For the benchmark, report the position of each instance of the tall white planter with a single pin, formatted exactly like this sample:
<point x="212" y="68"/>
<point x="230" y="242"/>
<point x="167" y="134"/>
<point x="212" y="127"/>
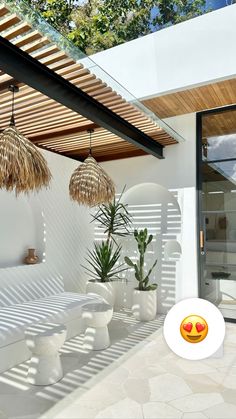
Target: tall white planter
<point x="144" y="306"/>
<point x="105" y="289"/>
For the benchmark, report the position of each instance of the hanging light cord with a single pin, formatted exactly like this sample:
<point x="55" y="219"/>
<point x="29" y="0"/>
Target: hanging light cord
<point x="13" y="89"/>
<point x="90" y="131"/>
<point x="90" y="143"/>
<point x="12" y="120"/>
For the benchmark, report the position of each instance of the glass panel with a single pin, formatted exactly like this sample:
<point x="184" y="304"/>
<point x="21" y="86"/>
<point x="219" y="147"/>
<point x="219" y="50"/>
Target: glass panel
<point x="218" y="261"/>
<point x="219" y="135"/>
<point x="218" y="185"/>
<point x="220" y="147"/>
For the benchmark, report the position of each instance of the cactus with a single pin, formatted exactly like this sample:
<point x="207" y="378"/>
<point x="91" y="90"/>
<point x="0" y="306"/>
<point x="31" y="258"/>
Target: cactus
<point x="143" y="240"/>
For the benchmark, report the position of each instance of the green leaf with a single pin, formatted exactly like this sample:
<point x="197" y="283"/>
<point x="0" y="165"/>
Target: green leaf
<point x="150" y="239"/>
<point x="151" y="287"/>
<point x="113" y="218"/>
<point x="104" y="261"/>
<point x="129" y="261"/>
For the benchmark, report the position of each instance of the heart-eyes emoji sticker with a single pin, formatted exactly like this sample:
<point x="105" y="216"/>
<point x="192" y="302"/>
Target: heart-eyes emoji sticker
<point x="194" y="328"/>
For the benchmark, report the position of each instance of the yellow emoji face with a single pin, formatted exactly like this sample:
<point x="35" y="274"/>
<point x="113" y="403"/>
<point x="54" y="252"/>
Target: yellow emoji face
<point x="194" y="328"/>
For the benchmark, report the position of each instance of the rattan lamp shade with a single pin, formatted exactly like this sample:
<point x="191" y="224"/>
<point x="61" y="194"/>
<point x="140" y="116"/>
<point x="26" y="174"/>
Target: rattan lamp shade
<point x="90" y="185"/>
<point x="22" y="167"/>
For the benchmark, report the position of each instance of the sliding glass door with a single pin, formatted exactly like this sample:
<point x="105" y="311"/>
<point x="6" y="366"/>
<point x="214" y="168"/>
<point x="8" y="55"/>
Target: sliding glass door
<point x="217" y="208"/>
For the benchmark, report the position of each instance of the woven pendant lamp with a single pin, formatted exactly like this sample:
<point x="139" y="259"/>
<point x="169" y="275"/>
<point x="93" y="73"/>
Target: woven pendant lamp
<point x="89" y="184"/>
<point x="22" y="167"/>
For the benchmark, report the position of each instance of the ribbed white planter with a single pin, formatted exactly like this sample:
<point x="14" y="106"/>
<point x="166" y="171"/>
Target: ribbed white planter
<point x="105" y="289"/>
<point x="144" y="306"/>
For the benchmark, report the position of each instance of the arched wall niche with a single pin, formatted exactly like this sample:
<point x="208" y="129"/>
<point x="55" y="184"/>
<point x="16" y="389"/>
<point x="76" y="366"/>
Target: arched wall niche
<point x="22" y="226"/>
<point x="154" y="207"/>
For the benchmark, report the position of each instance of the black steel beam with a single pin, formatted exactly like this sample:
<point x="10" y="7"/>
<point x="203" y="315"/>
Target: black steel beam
<point x="21" y="66"/>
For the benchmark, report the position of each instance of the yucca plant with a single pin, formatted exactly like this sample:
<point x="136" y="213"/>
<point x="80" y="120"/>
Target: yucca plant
<point x="114" y="218"/>
<point x="143" y="240"/>
<point x="104" y="263"/>
<point x="103" y="260"/>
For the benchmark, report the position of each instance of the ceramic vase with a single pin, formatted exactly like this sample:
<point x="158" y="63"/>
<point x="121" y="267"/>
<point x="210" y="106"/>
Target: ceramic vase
<point x="31" y="258"/>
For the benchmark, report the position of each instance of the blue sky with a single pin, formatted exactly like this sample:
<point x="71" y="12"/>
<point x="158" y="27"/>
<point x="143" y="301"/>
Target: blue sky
<point x="210" y="4"/>
<point x="216" y="4"/>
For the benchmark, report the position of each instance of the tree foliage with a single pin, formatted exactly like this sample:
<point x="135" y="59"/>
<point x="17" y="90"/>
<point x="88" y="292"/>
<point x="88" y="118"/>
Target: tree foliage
<point x="56" y="12"/>
<point x="95" y="25"/>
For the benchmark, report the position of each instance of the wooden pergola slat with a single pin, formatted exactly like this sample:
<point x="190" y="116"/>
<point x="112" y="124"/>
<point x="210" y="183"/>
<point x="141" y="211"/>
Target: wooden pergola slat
<point x="3" y="10"/>
<point x="8" y="21"/>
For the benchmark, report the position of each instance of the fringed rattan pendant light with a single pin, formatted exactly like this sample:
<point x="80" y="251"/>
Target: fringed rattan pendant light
<point x="89" y="184"/>
<point x="22" y="167"/>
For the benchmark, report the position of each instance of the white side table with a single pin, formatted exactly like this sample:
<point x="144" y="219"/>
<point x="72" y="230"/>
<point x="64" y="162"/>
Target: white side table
<point x="44" y="341"/>
<point x="97" y="316"/>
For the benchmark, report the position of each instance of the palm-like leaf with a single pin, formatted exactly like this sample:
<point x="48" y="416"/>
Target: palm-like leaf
<point x="103" y="261"/>
<point x="114" y="218"/>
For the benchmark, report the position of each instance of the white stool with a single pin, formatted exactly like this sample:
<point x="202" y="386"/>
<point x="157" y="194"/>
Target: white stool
<point x="97" y="316"/>
<point x="44" y="341"/>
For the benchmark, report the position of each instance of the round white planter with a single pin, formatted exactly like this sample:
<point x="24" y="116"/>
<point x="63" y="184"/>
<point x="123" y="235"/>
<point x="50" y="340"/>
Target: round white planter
<point x="105" y="289"/>
<point x="144" y="306"/>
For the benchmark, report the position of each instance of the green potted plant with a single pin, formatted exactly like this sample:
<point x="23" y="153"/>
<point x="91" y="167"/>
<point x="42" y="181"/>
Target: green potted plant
<point x="114" y="218"/>
<point x="144" y="306"/>
<point x="103" y="267"/>
<point x="115" y="221"/>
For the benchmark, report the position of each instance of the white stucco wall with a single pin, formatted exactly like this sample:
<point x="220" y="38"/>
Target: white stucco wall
<point x="67" y="234"/>
<point x="177" y="173"/>
<point x="188" y="54"/>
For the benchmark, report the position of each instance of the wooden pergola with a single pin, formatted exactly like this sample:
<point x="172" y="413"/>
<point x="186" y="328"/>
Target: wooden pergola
<point x="56" y="127"/>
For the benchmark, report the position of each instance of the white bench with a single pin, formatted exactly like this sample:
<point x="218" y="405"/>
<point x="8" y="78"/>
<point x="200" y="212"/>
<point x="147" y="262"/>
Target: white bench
<point x="60" y="307"/>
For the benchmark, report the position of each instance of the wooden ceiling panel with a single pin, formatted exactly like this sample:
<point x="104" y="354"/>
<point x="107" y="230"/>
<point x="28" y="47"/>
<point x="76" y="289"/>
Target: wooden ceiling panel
<point x="198" y="99"/>
<point x="220" y="123"/>
<point x="104" y="153"/>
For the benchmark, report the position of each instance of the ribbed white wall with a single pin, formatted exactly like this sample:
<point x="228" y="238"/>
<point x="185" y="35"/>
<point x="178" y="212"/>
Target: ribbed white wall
<point x="67" y="233"/>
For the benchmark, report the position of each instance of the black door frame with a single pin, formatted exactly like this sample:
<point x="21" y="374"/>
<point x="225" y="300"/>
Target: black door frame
<point x="199" y="185"/>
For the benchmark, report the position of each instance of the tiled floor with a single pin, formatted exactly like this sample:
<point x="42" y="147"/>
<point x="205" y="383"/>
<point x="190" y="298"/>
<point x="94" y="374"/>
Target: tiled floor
<point x="137" y="377"/>
<point x="82" y="369"/>
<point x="154" y="383"/>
